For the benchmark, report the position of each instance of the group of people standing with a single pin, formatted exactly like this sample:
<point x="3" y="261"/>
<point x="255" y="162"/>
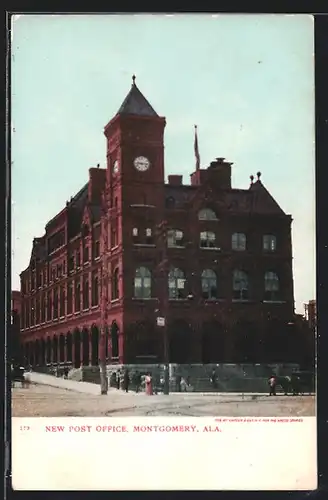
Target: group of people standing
<point x="124" y="380"/>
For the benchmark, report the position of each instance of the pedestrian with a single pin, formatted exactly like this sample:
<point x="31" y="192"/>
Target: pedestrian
<point x="137" y="379"/>
<point x="126" y="380"/>
<point x="213" y="379"/>
<point x="118" y="380"/>
<point x="178" y="383"/>
<point x="183" y="385"/>
<point x="296" y="385"/>
<point x="149" y="384"/>
<point x="272" y="385"/>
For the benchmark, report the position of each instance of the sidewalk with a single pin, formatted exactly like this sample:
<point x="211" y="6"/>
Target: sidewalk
<point x="94" y="389"/>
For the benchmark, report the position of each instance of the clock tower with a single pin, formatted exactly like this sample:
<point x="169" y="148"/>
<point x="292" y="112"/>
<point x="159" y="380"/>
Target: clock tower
<point x="135" y="185"/>
<point x="135" y="151"/>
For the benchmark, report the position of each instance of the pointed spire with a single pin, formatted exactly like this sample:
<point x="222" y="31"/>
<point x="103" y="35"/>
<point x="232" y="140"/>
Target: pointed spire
<point x="135" y="103"/>
<point x="197" y="156"/>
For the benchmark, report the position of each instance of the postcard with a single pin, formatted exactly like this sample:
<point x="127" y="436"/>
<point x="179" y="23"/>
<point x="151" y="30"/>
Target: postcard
<point x="163" y="252"/>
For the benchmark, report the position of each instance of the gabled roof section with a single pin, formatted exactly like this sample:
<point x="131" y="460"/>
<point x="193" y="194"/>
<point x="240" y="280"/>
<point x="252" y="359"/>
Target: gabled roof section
<point x="264" y="201"/>
<point x="135" y="103"/>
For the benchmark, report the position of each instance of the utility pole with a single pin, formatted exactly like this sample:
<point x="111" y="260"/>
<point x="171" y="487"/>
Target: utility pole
<point x="104" y="301"/>
<point x="164" y="301"/>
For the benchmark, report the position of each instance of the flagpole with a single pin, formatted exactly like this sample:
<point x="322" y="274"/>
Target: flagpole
<point x="196" y="149"/>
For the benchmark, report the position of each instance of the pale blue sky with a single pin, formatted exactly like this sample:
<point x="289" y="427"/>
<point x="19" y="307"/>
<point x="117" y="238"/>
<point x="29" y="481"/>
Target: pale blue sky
<point x="246" y="80"/>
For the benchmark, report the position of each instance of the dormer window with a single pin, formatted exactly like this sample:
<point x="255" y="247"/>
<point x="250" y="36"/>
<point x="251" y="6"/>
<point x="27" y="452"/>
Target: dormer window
<point x="207" y="214"/>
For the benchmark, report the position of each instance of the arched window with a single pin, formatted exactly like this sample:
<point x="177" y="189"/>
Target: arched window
<point x="174" y="238"/>
<point x="142" y="283"/>
<point x="271" y="286"/>
<point x="238" y="241"/>
<point x="176" y="284"/>
<point x="170" y="202"/>
<point x="240" y="285"/>
<point x="207" y="239"/>
<point x="115" y="287"/>
<point x="207" y="214"/>
<point x="209" y="284"/>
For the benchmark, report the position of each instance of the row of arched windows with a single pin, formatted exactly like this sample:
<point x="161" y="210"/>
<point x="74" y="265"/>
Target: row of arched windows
<point x="209" y="281"/>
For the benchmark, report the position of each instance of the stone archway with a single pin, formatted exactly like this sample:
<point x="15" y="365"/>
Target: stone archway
<point x="277" y="342"/>
<point x="213" y="342"/>
<point x="61" y="348"/>
<point x="94" y="345"/>
<point x="85" y="347"/>
<point x="180" y="341"/>
<point x="55" y="349"/>
<point x="37" y="350"/>
<point x="246" y="343"/>
<point x="77" y="348"/>
<point x="43" y="352"/>
<point x="114" y="333"/>
<point x="69" y="342"/>
<point x="141" y="342"/>
<point x="48" y="351"/>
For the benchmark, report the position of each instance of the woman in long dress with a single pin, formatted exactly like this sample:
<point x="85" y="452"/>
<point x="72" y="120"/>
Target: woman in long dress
<point x="149" y="385"/>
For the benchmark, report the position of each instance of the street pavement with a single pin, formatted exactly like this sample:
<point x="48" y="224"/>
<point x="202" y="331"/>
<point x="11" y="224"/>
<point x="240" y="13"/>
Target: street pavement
<point x="49" y="396"/>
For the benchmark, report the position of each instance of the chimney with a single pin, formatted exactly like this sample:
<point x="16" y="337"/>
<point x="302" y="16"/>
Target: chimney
<point x="97" y="181"/>
<point x="219" y="173"/>
<point x="175" y="180"/>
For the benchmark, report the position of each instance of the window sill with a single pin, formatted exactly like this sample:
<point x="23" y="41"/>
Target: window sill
<point x="114" y="248"/>
<point x="210" y="248"/>
<point x="151" y="245"/>
<point x="214" y="300"/>
<point x="69" y="315"/>
<point x="140" y="205"/>
<point x="97" y="258"/>
<point x="77" y="312"/>
<point x="86" y="309"/>
<point x="274" y="301"/>
<point x="144" y="298"/>
<point x="114" y="301"/>
<point x="62" y="317"/>
<point x="179" y="300"/>
<point x="241" y="300"/>
<point x="176" y="246"/>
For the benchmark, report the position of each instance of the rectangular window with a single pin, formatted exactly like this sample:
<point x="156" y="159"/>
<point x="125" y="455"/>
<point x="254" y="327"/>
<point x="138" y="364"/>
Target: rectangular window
<point x="269" y="243"/>
<point x="85" y="293"/>
<point x="62" y="302"/>
<point x="77" y="292"/>
<point x="55" y="303"/>
<point x="238" y="241"/>
<point x="69" y="298"/>
<point x="95" y="291"/>
<point x="78" y="259"/>
<point x="85" y="254"/>
<point x="71" y="263"/>
<point x="135" y="231"/>
<point x="49" y="307"/>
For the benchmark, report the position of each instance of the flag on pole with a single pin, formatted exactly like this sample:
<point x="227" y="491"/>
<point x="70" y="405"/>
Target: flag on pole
<point x="196" y="150"/>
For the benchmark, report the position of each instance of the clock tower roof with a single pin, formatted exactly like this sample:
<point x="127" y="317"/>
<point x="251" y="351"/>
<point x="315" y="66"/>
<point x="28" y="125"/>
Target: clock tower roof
<point x="135" y="103"/>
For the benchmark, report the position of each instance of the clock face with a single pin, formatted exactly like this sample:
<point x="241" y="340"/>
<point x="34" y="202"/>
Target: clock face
<point x="141" y="163"/>
<point x="116" y="167"/>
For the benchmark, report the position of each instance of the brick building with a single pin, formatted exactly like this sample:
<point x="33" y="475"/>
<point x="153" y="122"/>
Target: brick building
<point x="214" y="260"/>
<point x="14" y="330"/>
